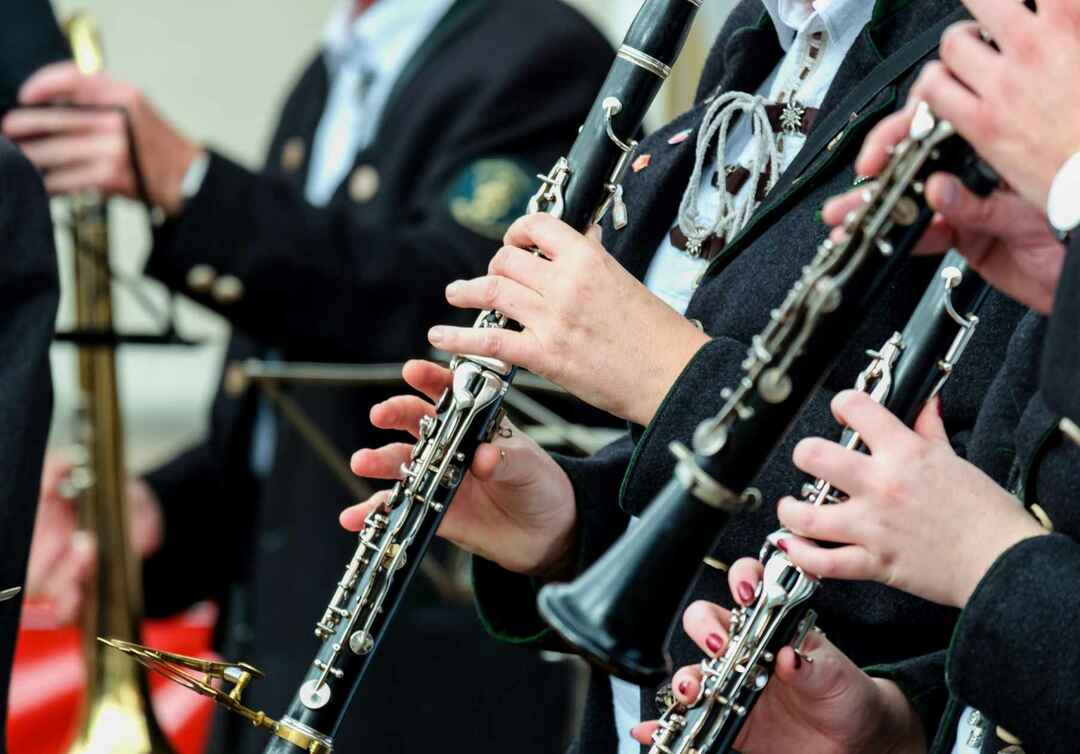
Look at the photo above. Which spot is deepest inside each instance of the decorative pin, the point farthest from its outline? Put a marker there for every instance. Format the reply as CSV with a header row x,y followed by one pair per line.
x,y
791,118
641,163
619,215
680,137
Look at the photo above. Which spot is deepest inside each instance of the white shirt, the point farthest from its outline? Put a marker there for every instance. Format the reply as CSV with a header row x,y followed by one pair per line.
x,y
672,274
364,58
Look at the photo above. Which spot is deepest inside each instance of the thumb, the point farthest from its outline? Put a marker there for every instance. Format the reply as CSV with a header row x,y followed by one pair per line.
x,y
961,207
504,464
930,425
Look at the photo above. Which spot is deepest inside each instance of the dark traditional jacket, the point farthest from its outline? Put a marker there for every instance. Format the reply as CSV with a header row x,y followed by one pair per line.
x,y
30,292
29,39
750,276
1012,656
490,99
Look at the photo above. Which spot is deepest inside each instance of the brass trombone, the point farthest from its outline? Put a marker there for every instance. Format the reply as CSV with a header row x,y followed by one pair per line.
x,y
116,717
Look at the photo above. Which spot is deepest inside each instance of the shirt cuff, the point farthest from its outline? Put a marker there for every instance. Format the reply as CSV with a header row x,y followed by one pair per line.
x,y
195,175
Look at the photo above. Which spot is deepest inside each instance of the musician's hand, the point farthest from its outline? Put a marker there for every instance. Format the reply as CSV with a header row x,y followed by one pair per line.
x,y
1004,237
919,517
78,149
62,557
515,506
590,326
1016,105
827,706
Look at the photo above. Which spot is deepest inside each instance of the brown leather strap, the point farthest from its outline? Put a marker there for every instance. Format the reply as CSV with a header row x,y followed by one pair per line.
x,y
712,246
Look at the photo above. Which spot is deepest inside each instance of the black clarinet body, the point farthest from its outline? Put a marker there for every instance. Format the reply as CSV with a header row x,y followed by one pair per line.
x,y
909,369
580,189
620,612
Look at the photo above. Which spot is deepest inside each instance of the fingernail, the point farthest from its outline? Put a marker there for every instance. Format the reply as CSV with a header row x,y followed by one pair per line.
x,y
435,335
940,410
453,288
684,688
798,661
949,193
714,643
746,592
782,544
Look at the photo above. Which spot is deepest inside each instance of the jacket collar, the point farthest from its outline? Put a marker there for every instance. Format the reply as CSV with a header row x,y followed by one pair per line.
x,y
864,87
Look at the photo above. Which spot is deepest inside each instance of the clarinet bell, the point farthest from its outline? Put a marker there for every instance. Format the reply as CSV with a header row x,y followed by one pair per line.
x,y
620,612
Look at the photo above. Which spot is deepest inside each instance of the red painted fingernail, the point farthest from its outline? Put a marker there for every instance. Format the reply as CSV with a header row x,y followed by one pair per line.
x,y
714,643
746,592
782,544
684,688
798,661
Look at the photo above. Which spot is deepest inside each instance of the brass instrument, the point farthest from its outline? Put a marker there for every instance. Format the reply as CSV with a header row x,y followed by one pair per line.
x,y
116,717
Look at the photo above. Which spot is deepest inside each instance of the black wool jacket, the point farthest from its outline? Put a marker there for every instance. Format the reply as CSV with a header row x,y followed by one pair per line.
x,y
29,39
29,289
749,277
489,100
1012,655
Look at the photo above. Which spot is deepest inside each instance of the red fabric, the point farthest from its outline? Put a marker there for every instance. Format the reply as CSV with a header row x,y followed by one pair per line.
x,y
47,684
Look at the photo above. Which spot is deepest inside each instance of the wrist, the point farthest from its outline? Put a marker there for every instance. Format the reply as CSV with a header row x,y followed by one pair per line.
x,y
688,341
899,729
181,177
1023,527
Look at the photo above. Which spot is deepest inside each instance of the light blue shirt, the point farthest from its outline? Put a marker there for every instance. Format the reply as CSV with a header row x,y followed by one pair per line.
x,y
673,274
364,58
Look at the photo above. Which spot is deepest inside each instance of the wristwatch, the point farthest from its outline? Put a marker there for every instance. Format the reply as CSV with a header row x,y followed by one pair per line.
x,y
1063,201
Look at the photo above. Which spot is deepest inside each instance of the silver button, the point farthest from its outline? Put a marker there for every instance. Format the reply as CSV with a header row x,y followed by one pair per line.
x,y
228,289
364,184
201,277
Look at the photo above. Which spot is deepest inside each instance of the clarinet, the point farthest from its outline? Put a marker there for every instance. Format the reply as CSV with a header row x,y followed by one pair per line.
x,y
579,189
907,371
620,612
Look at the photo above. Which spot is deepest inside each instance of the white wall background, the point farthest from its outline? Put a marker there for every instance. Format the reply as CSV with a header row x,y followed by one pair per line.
x,y
218,69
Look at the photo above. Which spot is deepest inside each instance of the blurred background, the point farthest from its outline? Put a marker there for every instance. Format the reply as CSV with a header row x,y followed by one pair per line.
x,y
218,69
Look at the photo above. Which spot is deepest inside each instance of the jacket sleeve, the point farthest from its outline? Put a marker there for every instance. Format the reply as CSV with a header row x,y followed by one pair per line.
x,y
29,292
507,601
29,39
335,265
1061,352
191,490
1014,652
922,681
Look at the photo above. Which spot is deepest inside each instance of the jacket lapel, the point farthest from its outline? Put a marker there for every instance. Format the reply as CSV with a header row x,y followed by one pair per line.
x,y
459,14
864,87
653,194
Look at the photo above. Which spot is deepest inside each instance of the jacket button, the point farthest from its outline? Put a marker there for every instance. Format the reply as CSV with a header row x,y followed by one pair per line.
x,y
712,562
364,184
292,154
236,380
1047,523
1008,738
201,277
228,289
